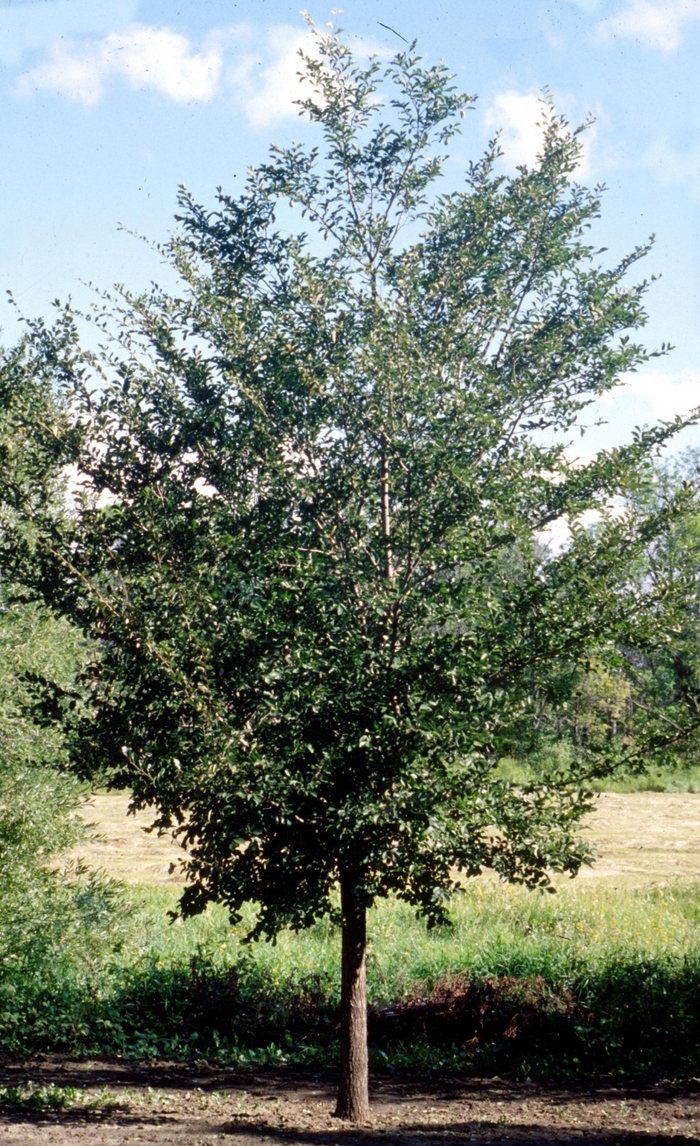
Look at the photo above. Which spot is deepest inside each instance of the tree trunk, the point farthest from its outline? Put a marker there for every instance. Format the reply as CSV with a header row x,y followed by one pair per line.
x,y
353,1097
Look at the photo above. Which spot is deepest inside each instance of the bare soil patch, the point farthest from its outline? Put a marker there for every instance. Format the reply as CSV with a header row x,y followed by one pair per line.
x,y
159,1104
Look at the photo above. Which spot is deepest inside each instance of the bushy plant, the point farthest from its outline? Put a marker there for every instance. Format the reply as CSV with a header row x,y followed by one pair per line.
x,y
57,919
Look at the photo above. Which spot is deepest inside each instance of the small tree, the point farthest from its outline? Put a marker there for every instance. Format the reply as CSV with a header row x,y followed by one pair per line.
x,y
312,489
41,655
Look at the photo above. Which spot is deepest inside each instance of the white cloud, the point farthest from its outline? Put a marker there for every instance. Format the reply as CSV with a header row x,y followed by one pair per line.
x,y
259,69
660,393
263,75
268,83
655,23
155,58
520,118
267,80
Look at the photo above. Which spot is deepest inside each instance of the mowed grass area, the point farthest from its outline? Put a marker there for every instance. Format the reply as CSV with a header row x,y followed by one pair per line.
x,y
123,845
641,838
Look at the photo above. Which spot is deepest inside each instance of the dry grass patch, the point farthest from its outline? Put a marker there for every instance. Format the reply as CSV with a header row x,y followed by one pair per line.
x,y
640,837
124,847
645,837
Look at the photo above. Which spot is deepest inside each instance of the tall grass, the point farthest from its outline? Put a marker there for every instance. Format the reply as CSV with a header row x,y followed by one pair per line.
x,y
588,979
497,930
654,779
682,776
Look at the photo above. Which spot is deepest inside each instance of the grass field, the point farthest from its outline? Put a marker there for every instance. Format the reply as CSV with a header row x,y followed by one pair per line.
x,y
601,976
641,838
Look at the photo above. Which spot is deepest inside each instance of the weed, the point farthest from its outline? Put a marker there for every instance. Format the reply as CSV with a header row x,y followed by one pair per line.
x,y
54,1099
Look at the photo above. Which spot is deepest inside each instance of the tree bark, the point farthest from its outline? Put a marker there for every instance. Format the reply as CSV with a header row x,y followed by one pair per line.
x,y
353,1090
386,520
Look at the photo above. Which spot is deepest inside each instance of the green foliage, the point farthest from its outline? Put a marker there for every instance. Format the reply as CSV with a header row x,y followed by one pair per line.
x,y
51,1099
665,680
639,701
54,920
40,653
35,432
312,486
39,660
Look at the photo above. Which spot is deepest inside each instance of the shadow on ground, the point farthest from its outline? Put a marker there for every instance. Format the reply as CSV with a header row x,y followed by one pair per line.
x,y
158,1104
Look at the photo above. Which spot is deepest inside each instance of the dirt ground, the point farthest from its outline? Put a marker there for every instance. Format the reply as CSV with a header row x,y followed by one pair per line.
x,y
167,1104
641,837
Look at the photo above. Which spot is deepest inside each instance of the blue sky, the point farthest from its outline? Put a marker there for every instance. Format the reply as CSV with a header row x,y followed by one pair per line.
x,y
108,107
